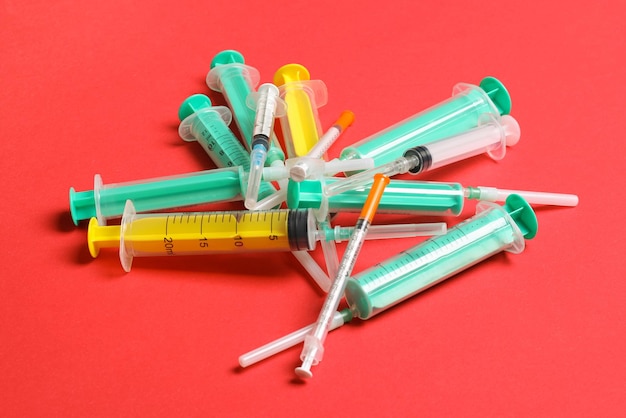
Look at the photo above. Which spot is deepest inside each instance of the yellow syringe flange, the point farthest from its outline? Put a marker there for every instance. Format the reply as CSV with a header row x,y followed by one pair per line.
x,y
102,237
300,125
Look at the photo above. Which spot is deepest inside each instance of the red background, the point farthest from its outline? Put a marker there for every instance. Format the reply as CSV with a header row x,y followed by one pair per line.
x,y
92,87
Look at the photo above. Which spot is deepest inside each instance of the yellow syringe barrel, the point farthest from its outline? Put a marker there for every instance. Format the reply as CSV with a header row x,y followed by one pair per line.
x,y
141,235
300,125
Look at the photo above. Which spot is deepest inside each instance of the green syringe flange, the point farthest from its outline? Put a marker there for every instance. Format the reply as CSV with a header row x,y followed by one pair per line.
x,y
228,56
523,215
497,93
192,104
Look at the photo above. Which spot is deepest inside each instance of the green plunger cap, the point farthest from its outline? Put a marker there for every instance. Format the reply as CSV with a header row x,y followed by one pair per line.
x,y
229,56
497,93
303,195
82,205
523,215
293,194
192,104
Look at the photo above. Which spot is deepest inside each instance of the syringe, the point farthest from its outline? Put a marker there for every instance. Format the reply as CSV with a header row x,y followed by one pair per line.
x,y
413,197
203,123
193,233
300,125
268,105
107,201
230,76
493,229
313,349
492,136
450,117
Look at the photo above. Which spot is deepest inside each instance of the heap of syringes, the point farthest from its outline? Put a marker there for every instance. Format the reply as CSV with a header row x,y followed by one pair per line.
x,y
473,121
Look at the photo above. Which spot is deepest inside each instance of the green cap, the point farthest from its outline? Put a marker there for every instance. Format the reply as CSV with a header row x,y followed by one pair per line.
x,y
523,215
82,205
192,104
311,190
229,56
497,93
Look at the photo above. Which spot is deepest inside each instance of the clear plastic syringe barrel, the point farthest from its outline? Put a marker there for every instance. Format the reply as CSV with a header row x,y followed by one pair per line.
x,y
107,200
300,125
400,196
493,229
492,136
235,80
450,117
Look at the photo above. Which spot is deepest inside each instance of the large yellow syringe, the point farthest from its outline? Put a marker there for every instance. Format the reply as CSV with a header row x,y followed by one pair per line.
x,y
157,234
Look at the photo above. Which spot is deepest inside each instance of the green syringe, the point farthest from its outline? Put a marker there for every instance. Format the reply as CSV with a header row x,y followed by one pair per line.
x,y
452,116
107,200
492,230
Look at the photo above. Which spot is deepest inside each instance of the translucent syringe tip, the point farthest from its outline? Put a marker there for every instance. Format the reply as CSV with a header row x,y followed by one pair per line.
x,y
257,160
493,194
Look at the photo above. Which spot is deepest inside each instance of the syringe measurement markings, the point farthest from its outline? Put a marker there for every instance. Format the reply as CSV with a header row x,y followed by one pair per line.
x,y
168,242
384,276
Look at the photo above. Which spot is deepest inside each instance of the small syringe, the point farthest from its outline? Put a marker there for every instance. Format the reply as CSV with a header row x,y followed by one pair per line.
x,y
313,349
268,107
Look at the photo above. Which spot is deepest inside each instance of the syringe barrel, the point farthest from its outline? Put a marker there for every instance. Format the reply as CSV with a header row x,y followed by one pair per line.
x,y
107,201
450,117
195,233
492,230
300,125
491,137
400,196
217,140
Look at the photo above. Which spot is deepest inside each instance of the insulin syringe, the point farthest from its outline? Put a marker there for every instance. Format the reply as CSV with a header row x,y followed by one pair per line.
x,y
492,136
230,76
268,107
313,349
492,230
168,234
